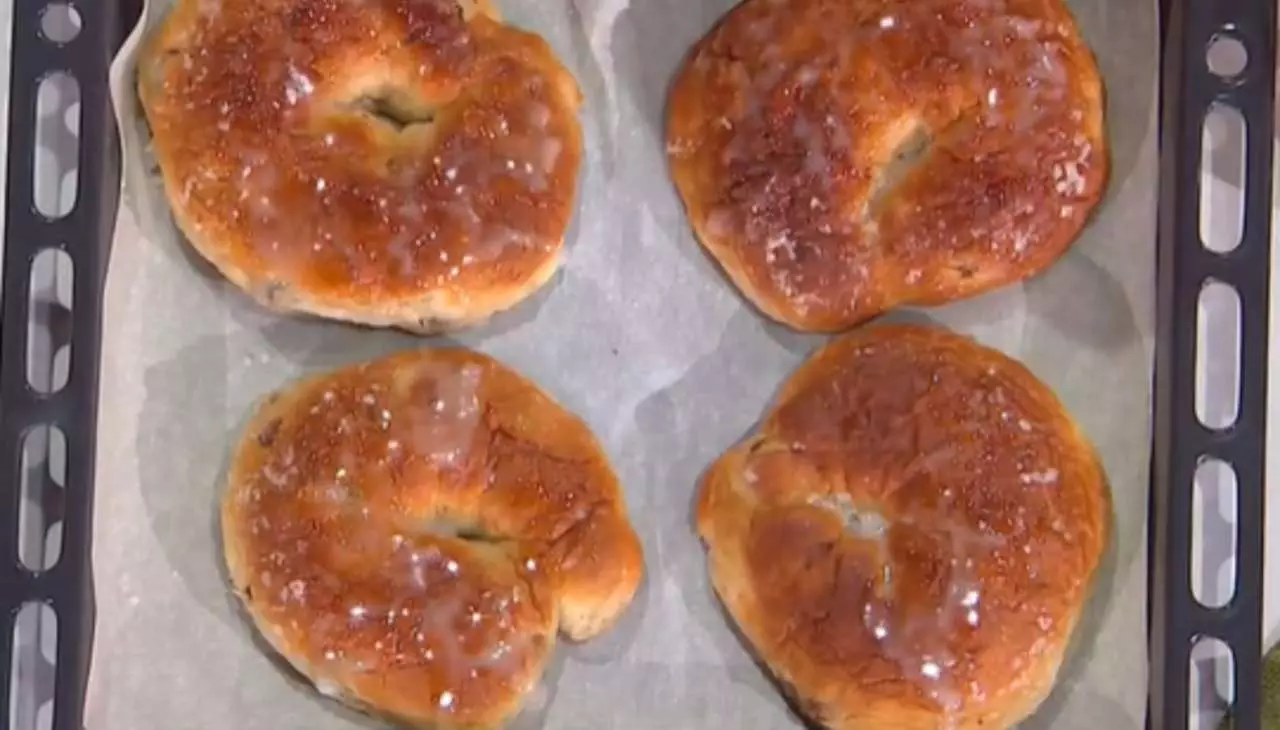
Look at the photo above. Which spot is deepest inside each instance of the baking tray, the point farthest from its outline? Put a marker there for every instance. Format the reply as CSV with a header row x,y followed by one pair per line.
x,y
50,479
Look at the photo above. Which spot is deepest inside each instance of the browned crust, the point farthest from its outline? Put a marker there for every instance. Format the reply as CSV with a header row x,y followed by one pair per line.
x,y
412,532
992,500
280,175
786,115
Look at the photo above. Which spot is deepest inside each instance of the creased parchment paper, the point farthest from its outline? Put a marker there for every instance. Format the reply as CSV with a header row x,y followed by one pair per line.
x,y
641,336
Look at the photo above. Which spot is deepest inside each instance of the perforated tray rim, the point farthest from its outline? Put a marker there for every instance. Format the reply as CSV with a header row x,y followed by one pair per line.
x,y
1183,265
85,234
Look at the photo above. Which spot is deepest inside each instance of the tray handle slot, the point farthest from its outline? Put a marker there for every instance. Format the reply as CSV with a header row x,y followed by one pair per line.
x,y
1215,54
75,217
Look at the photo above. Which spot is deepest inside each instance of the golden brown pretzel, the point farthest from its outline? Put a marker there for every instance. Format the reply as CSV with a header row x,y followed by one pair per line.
x,y
908,540
841,158
407,163
411,533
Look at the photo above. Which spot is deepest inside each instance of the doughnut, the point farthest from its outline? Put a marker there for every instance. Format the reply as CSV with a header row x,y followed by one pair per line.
x,y
410,534
908,539
390,163
839,159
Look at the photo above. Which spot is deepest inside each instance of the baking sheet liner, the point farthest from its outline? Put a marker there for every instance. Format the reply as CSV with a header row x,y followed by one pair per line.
x,y
641,336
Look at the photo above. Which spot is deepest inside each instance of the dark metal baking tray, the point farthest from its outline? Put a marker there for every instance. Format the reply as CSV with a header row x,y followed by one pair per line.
x,y
1184,264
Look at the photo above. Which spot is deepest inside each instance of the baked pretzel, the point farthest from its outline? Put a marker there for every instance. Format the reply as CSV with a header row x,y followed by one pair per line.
x,y
406,163
411,533
908,540
842,158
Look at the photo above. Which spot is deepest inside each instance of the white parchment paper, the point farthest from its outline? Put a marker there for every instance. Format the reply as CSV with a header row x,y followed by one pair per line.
x,y
641,336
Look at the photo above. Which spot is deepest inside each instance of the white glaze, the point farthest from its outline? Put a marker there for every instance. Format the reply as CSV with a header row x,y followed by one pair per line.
x,y
1028,100
303,195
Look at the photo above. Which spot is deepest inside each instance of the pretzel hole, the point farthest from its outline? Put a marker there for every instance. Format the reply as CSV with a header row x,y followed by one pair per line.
x,y
396,109
913,144
465,531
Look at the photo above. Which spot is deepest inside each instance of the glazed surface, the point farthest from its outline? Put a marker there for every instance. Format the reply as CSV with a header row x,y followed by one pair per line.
x,y
412,533
910,537
842,158
393,162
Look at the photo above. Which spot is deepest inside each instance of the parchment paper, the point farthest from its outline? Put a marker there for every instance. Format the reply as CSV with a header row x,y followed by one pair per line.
x,y
641,336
